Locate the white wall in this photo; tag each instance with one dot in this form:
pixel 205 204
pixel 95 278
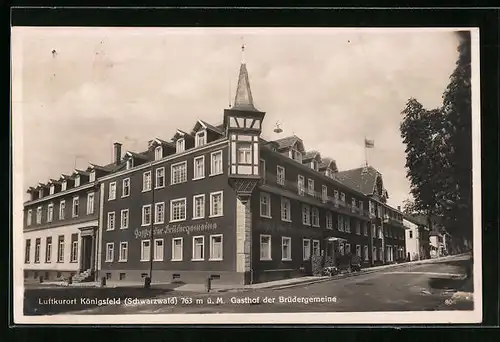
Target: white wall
pixel 433 240
pixel 54 233
pixel 413 243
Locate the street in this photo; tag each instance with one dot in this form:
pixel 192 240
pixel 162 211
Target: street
pixel 403 288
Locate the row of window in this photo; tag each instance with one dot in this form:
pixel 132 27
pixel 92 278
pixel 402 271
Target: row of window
pixel 178 211
pixel 177 249
pixel 64 184
pixel 200 140
pixel 48 249
pixel 178 175
pixel 337 195
pixel 75 209
pixel 310 215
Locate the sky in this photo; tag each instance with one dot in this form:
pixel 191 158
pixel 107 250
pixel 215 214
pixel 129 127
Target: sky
pixel 81 89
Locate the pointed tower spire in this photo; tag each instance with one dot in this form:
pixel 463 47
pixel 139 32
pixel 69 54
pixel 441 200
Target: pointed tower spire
pixel 243 99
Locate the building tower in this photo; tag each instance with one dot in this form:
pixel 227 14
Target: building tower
pixel 243 126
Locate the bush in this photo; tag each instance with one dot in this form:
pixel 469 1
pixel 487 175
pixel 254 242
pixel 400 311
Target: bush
pixel 317 265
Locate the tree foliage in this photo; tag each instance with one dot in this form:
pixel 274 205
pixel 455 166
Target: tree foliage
pixel 439 151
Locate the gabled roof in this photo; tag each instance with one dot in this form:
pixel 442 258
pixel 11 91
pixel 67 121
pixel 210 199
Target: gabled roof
pixel 137 155
pixel 288 142
pixel 54 181
pixel 179 134
pixel 106 168
pixel 362 179
pixel 206 125
pixel 163 142
pixel 81 172
pixel 65 176
pixel 309 155
pixel 327 163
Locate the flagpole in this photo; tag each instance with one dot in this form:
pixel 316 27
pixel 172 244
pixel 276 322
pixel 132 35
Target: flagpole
pixel 366 153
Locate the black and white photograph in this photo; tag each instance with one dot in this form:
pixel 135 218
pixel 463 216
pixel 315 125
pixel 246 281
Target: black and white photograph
pixel 246 175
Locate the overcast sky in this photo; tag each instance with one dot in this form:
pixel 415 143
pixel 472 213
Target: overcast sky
pixel 84 88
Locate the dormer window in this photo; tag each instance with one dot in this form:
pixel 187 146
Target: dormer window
pixel 314 165
pixel 158 153
pixel 180 145
pixel 92 176
pixel 52 189
pixel 40 193
pixel 64 186
pixel 201 138
pixel 77 181
pixel 130 164
pixel 296 155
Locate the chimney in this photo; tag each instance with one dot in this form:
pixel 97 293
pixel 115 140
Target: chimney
pixel 118 153
pixel 399 208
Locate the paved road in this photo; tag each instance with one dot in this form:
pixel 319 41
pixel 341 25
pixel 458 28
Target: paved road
pixel 416 288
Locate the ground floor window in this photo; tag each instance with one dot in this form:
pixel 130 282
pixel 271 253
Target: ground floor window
pixel 381 254
pixel 358 250
pixel 265 247
pixel 110 251
pixel 37 250
pixel 27 251
pixel 347 248
pixel 306 249
pixel 216 247
pixel 145 250
pixel 60 249
pixel 374 253
pixel 366 252
pixel 316 250
pixel 177 249
pixel 123 251
pixel 286 252
pixel 74 248
pixel 158 251
pixel 48 249
pixel 198 248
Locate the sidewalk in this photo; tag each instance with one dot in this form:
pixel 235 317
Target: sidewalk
pixel 287 283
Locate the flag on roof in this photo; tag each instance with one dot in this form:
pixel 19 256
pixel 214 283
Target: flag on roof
pixel 369 143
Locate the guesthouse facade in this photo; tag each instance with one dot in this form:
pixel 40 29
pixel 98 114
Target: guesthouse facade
pixel 219 201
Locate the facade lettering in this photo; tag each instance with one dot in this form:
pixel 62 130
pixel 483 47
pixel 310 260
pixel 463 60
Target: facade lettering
pixel 174 229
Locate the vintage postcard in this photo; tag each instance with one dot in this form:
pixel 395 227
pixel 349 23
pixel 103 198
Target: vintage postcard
pixel 246 175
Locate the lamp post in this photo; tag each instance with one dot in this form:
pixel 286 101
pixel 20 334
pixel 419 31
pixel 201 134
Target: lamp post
pixel 151 230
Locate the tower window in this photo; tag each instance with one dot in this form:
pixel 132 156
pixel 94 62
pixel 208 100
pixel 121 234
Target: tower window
pixel 245 153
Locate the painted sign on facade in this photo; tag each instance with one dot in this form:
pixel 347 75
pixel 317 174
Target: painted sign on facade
pixel 145 233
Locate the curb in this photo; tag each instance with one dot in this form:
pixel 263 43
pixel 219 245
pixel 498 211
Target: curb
pixel 345 275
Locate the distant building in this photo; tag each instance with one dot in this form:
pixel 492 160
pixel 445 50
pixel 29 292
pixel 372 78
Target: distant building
pixel 417 237
pixel 387 239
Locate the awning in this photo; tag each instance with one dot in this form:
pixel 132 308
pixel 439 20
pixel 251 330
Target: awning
pixel 336 239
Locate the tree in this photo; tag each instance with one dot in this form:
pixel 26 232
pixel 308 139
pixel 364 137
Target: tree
pixel 439 151
pixel 421 130
pixel 457 109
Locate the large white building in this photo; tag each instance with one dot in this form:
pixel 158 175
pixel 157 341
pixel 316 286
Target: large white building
pixel 417 237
